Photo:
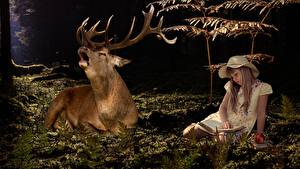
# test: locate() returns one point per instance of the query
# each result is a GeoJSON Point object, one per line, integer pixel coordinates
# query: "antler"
{"type": "Point", "coordinates": [84, 37]}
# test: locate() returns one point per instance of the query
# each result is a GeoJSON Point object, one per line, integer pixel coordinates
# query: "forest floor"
{"type": "Point", "coordinates": [157, 141]}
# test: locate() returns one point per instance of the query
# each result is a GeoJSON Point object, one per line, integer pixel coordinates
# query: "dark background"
{"type": "Point", "coordinates": [43, 31]}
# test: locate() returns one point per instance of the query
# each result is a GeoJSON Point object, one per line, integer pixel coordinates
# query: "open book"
{"type": "Point", "coordinates": [212, 131]}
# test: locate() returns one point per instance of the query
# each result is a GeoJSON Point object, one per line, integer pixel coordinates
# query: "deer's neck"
{"type": "Point", "coordinates": [105, 86]}
{"type": "Point", "coordinates": [109, 90]}
{"type": "Point", "coordinates": [101, 87]}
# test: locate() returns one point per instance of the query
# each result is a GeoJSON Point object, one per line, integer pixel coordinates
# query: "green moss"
{"type": "Point", "coordinates": [156, 142]}
{"type": "Point", "coordinates": [293, 155]}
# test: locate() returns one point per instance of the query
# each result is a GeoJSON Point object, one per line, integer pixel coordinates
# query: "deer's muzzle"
{"type": "Point", "coordinates": [84, 59]}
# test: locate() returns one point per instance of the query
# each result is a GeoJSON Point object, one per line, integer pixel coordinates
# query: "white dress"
{"type": "Point", "coordinates": [240, 118]}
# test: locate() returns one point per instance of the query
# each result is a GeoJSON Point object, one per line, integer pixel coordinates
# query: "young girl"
{"type": "Point", "coordinates": [244, 104]}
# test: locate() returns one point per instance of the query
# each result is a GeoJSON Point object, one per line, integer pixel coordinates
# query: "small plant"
{"type": "Point", "coordinates": [293, 153]}
{"type": "Point", "coordinates": [287, 107]}
{"type": "Point", "coordinates": [220, 156]}
{"type": "Point", "coordinates": [197, 157]}
{"type": "Point", "coordinates": [22, 153]}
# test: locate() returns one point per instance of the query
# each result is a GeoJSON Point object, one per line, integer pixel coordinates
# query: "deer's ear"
{"type": "Point", "coordinates": [118, 61]}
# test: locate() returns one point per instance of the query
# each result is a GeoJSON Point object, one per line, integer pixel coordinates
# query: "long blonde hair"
{"type": "Point", "coordinates": [247, 79]}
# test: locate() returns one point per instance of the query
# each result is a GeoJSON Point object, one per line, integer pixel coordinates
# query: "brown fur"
{"type": "Point", "coordinates": [105, 105]}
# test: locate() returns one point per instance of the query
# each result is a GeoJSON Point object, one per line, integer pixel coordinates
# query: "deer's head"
{"type": "Point", "coordinates": [95, 57]}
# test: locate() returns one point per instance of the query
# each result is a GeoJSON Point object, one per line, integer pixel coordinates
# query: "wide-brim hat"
{"type": "Point", "coordinates": [237, 62]}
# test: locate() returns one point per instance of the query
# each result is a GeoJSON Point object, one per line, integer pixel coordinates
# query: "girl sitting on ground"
{"type": "Point", "coordinates": [243, 105]}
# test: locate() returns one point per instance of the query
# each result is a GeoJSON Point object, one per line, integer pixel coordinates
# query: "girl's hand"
{"type": "Point", "coordinates": [226, 125]}
{"type": "Point", "coordinates": [259, 138]}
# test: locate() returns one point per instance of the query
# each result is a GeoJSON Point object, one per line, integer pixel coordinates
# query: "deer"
{"type": "Point", "coordinates": [105, 104]}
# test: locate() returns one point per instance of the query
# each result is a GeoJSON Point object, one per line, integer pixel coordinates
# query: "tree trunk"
{"type": "Point", "coordinates": [6, 67]}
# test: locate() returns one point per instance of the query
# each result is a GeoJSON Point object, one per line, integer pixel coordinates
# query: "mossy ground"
{"type": "Point", "coordinates": [156, 142]}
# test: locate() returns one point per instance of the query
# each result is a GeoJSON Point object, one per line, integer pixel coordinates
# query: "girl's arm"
{"type": "Point", "coordinates": [223, 111]}
{"type": "Point", "coordinates": [261, 113]}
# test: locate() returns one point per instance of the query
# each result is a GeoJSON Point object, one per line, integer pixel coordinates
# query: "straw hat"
{"type": "Point", "coordinates": [236, 62]}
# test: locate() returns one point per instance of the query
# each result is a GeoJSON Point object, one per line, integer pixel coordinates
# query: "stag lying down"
{"type": "Point", "coordinates": [106, 104]}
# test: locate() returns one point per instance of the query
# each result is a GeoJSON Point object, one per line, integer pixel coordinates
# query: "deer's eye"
{"type": "Point", "coordinates": [102, 54]}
